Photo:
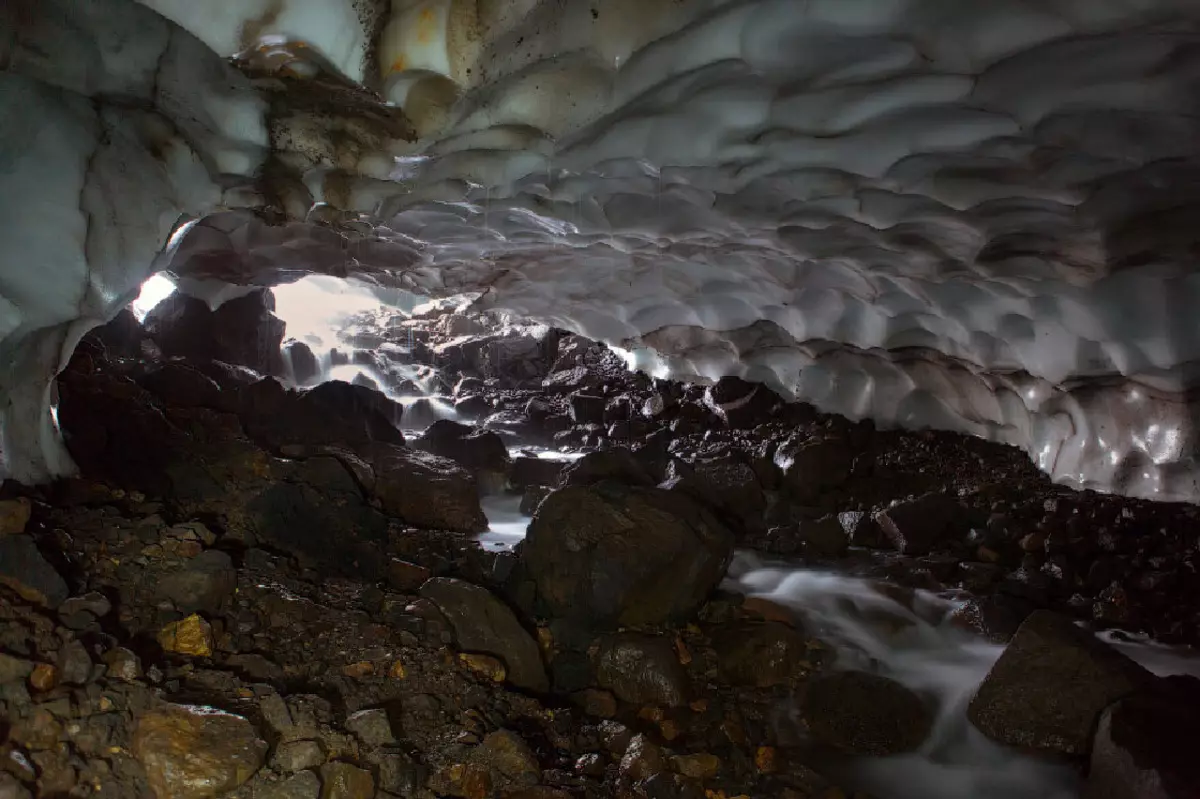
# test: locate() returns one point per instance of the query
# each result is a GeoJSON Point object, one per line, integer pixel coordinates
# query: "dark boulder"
{"type": "Point", "coordinates": [476, 450]}
{"type": "Point", "coordinates": [242, 331]}
{"type": "Point", "coordinates": [611, 554]}
{"type": "Point", "coordinates": [182, 385]}
{"type": "Point", "coordinates": [617, 464]}
{"type": "Point", "coordinates": [740, 404]}
{"type": "Point", "coordinates": [759, 655]}
{"type": "Point", "coordinates": [811, 466]}
{"type": "Point", "coordinates": [426, 491]}
{"type": "Point", "coordinates": [24, 570]}
{"type": "Point", "coordinates": [335, 413]}
{"type": "Point", "coordinates": [642, 670]}
{"type": "Point", "coordinates": [916, 526]}
{"type": "Point", "coordinates": [303, 362]}
{"type": "Point", "coordinates": [865, 714]}
{"type": "Point", "coordinates": [1048, 690]}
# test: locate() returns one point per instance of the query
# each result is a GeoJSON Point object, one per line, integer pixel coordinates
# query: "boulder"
{"type": "Point", "coordinates": [203, 583]}
{"type": "Point", "coordinates": [587, 409]}
{"type": "Point", "coordinates": [618, 464]}
{"type": "Point", "coordinates": [810, 466]}
{"type": "Point", "coordinates": [759, 655]}
{"type": "Point", "coordinates": [823, 538]}
{"type": "Point", "coordinates": [642, 670]}
{"type": "Point", "coordinates": [916, 526]}
{"type": "Point", "coordinates": [740, 404]}
{"type": "Point", "coordinates": [1145, 746]}
{"type": "Point", "coordinates": [728, 485]}
{"type": "Point", "coordinates": [612, 554]}
{"type": "Point", "coordinates": [334, 413]}
{"type": "Point", "coordinates": [1049, 689]}
{"type": "Point", "coordinates": [484, 624]}
{"type": "Point", "coordinates": [242, 331]}
{"type": "Point", "coordinates": [530, 471]}
{"type": "Point", "coordinates": [24, 570]}
{"type": "Point", "coordinates": [475, 450]}
{"type": "Point", "coordinates": [181, 385]}
{"type": "Point", "coordinates": [865, 714]}
{"type": "Point", "coordinates": [303, 362]}
{"type": "Point", "coordinates": [427, 491]}
{"type": "Point", "coordinates": [196, 753]}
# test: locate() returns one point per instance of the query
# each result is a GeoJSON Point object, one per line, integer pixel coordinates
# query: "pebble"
{"type": "Point", "coordinates": [190, 636]}
{"type": "Point", "coordinates": [14, 515]}
{"type": "Point", "coordinates": [24, 570]}
{"type": "Point", "coordinates": [344, 781]}
{"type": "Point", "coordinates": [74, 663]}
{"type": "Point", "coordinates": [372, 727]}
{"type": "Point", "coordinates": [295, 756]}
{"type": "Point", "coordinates": [123, 664]}
{"type": "Point", "coordinates": [302, 785]}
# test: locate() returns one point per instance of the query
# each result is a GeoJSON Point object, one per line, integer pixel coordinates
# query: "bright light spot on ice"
{"type": "Point", "coordinates": [154, 291]}
{"type": "Point", "coordinates": [317, 306]}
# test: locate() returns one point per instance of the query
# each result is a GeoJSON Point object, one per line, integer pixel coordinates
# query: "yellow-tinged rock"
{"type": "Point", "coordinates": [466, 780]}
{"type": "Point", "coordinates": [700, 766]}
{"type": "Point", "coordinates": [681, 651]}
{"type": "Point", "coordinates": [196, 753]}
{"type": "Point", "coordinates": [14, 515]}
{"type": "Point", "coordinates": [397, 671]}
{"type": "Point", "coordinates": [359, 670]}
{"type": "Point", "coordinates": [44, 677]}
{"type": "Point", "coordinates": [770, 611]}
{"type": "Point", "coordinates": [191, 636]}
{"type": "Point", "coordinates": [545, 640]}
{"type": "Point", "coordinates": [766, 759]}
{"type": "Point", "coordinates": [670, 729]}
{"type": "Point", "coordinates": [484, 666]}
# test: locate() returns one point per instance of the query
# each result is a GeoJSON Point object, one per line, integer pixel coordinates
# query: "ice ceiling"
{"type": "Point", "coordinates": [978, 216]}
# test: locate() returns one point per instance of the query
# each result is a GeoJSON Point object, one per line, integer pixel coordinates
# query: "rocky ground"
{"type": "Point", "coordinates": [261, 592]}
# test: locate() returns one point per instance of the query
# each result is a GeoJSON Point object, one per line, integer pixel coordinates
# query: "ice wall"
{"type": "Point", "coordinates": [972, 216]}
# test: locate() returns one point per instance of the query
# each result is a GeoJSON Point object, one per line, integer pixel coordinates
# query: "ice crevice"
{"type": "Point", "coordinates": [977, 217]}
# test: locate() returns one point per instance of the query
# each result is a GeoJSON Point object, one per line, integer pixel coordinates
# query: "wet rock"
{"type": "Point", "coordinates": [740, 404]}
{"type": "Point", "coordinates": [372, 727]}
{"type": "Point", "coordinates": [190, 636]}
{"type": "Point", "coordinates": [475, 450]}
{"type": "Point", "coordinates": [865, 714]}
{"type": "Point", "coordinates": [405, 576]}
{"type": "Point", "coordinates": [344, 781]}
{"type": "Point", "coordinates": [202, 584]}
{"type": "Point", "coordinates": [823, 538]}
{"type": "Point", "coordinates": [642, 670]}
{"type": "Point", "coordinates": [302, 360]}
{"type": "Point", "coordinates": [759, 655]}
{"type": "Point", "coordinates": [587, 409]}
{"type": "Point", "coordinates": [916, 526]}
{"type": "Point", "coordinates": [14, 515]}
{"type": "Point", "coordinates": [302, 785]}
{"type": "Point", "coordinates": [1145, 746]}
{"type": "Point", "coordinates": [612, 554]}
{"type": "Point", "coordinates": [14, 669]}
{"type": "Point", "coordinates": [532, 498]}
{"type": "Point", "coordinates": [809, 466]}
{"type": "Point", "coordinates": [24, 570]}
{"type": "Point", "coordinates": [427, 491]}
{"type": "Point", "coordinates": [482, 623]}
{"type": "Point", "coordinates": [702, 766]}
{"type": "Point", "coordinates": [182, 385]}
{"type": "Point", "coordinates": [334, 413]}
{"type": "Point", "coordinates": [196, 753]}
{"type": "Point", "coordinates": [527, 471]}
{"type": "Point", "coordinates": [510, 758]}
{"type": "Point", "coordinates": [11, 787]}
{"type": "Point", "coordinates": [123, 664]}
{"type": "Point", "coordinates": [1049, 688]}
{"type": "Point", "coordinates": [618, 464]}
{"type": "Point", "coordinates": [292, 756]}
{"type": "Point", "coordinates": [93, 602]}
{"type": "Point", "coordinates": [74, 663]}
{"type": "Point", "coordinates": [472, 406]}
{"type": "Point", "coordinates": [729, 485]}
{"type": "Point", "coordinates": [642, 759]}
{"type": "Point", "coordinates": [242, 331]}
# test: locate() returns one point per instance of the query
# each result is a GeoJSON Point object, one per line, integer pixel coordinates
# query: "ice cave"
{"type": "Point", "coordinates": [566, 399]}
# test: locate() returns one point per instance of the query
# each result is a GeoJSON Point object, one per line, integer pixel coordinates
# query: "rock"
{"type": "Point", "coordinates": [182, 385]}
{"type": "Point", "coordinates": [532, 498]}
{"type": "Point", "coordinates": [202, 584]}
{"type": "Point", "coordinates": [1145, 746]}
{"type": "Point", "coordinates": [292, 756]}
{"type": "Point", "coordinates": [619, 465]}
{"type": "Point", "coordinates": [92, 602]}
{"type": "Point", "coordinates": [24, 570]}
{"type": "Point", "coordinates": [334, 413]}
{"type": "Point", "coordinates": [527, 471]}
{"type": "Point", "coordinates": [123, 664]}
{"type": "Point", "coordinates": [610, 554]}
{"type": "Point", "coordinates": [196, 753]}
{"type": "Point", "coordinates": [11, 787]}
{"type": "Point", "coordinates": [474, 450]}
{"type": "Point", "coordinates": [299, 356]}
{"type": "Point", "coordinates": [1048, 690]}
{"type": "Point", "coordinates": [241, 331]}
{"type": "Point", "coordinates": [427, 491]}
{"type": "Point", "coordinates": [507, 754]}
{"type": "Point", "coordinates": [406, 577]}
{"type": "Point", "coordinates": [472, 406]}
{"type": "Point", "coordinates": [44, 677]}
{"type": "Point", "coordinates": [587, 409]}
{"type": "Point", "coordinates": [759, 655]}
{"type": "Point", "coordinates": [916, 526]}
{"type": "Point", "coordinates": [861, 529]}
{"type": "Point", "coordinates": [485, 666]}
{"type": "Point", "coordinates": [482, 623]}
{"type": "Point", "coordinates": [371, 727]}
{"type": "Point", "coordinates": [303, 785]}
{"type": "Point", "coordinates": [824, 538]}
{"type": "Point", "coordinates": [642, 670]}
{"type": "Point", "coordinates": [74, 663]}
{"type": "Point", "coordinates": [642, 759]}
{"type": "Point", "coordinates": [810, 466]}
{"type": "Point", "coordinates": [740, 404]}
{"type": "Point", "coordinates": [14, 515]}
{"type": "Point", "coordinates": [344, 781]}
{"type": "Point", "coordinates": [190, 636]}
{"type": "Point", "coordinates": [702, 766]}
{"type": "Point", "coordinates": [729, 485]}
{"type": "Point", "coordinates": [865, 714]}
{"type": "Point", "coordinates": [14, 669]}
